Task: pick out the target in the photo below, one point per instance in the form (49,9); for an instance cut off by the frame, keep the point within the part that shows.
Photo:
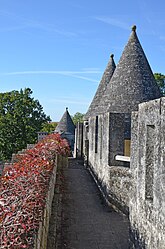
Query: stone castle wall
(105,143)
(138,190)
(147,199)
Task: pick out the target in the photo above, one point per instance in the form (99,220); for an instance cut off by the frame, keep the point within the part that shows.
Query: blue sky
(60,48)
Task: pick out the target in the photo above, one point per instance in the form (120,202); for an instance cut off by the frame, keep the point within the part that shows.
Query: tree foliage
(21,117)
(78,117)
(160,79)
(49,127)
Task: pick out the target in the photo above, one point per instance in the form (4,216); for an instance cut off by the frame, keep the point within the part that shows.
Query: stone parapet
(120,182)
(147,197)
(42,234)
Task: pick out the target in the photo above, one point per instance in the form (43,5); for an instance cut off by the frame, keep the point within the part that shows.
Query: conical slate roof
(95,108)
(66,124)
(132,82)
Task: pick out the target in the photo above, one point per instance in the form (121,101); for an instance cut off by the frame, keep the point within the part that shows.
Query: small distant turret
(66,128)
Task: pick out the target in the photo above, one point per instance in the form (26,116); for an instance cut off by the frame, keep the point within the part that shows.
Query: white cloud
(91,69)
(113,21)
(52,72)
(15,21)
(83,78)
(73,74)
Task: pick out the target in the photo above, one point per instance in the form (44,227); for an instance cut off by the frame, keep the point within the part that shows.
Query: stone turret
(132,82)
(95,108)
(66,124)
(123,145)
(66,128)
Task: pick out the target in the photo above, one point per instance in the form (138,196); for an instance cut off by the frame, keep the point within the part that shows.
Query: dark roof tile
(132,82)
(95,107)
(66,124)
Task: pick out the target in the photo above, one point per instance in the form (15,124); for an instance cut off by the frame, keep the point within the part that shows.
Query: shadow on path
(84,220)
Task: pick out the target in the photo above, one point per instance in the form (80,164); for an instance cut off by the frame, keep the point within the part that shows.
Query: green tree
(160,79)
(21,117)
(78,117)
(49,127)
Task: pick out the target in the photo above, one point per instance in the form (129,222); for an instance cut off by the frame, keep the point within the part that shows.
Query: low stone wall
(41,237)
(116,187)
(120,182)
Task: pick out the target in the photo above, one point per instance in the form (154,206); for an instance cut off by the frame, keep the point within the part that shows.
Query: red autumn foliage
(23,190)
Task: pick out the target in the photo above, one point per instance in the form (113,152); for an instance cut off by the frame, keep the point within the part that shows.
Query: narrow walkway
(86,221)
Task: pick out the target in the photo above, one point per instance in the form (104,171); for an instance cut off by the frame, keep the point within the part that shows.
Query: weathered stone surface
(147,200)
(96,107)
(119,187)
(113,179)
(99,160)
(66,124)
(66,128)
(78,148)
(116,138)
(132,82)
(41,236)
(140,189)
(42,135)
